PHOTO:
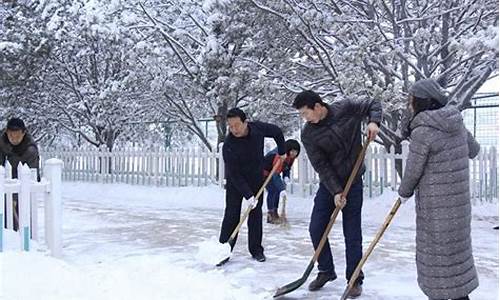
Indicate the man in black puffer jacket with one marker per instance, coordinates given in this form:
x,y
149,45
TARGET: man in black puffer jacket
x,y
332,139
17,146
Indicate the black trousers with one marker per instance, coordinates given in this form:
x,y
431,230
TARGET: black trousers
x,y
232,217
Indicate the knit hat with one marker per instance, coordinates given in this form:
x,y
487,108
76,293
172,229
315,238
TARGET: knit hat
x,y
429,89
16,124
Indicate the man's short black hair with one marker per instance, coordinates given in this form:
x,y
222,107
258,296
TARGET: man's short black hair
x,y
16,124
307,98
236,112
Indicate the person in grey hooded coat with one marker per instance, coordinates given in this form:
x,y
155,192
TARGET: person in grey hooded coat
x,y
437,171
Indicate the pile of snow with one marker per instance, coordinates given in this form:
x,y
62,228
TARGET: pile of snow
x,y
212,252
33,275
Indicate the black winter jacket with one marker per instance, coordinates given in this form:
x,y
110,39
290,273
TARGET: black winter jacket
x,y
244,156
26,152
334,143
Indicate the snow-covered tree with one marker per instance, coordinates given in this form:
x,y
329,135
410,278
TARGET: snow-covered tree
x,y
109,69
93,64
24,49
210,65
353,48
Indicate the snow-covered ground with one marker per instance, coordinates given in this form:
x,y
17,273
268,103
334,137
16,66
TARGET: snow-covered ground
x,y
133,242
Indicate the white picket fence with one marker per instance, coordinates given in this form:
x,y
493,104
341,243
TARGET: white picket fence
x,y
160,167
381,173
30,194
199,167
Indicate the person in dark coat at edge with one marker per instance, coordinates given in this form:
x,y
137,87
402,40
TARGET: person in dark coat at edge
x,y
243,154
437,172
17,146
332,139
276,189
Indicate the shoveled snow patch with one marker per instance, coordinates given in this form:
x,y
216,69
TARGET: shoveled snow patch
x,y
211,251
34,275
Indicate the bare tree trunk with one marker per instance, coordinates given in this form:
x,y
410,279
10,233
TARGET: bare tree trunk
x,y
221,122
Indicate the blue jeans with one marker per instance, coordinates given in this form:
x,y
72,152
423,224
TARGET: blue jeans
x,y
351,225
274,188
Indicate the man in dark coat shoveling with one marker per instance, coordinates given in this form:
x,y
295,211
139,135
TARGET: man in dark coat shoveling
x,y
243,154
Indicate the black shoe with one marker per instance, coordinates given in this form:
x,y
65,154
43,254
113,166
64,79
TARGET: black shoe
x,y
321,280
355,291
259,257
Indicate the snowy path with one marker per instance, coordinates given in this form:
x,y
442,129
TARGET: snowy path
x,y
144,241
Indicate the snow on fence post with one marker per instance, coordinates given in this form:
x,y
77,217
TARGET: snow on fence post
x,y
200,158
214,165
34,206
190,161
147,167
211,166
86,169
53,208
128,166
485,178
481,174
386,173
120,176
302,167
156,166
180,163
101,164
205,160
383,169
2,180
24,175
375,166
187,164
178,167
220,161
474,181
8,197
163,166
392,155
369,170
195,162
167,165
494,168
175,166
109,166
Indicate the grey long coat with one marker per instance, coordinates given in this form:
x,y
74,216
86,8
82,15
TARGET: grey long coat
x,y
437,170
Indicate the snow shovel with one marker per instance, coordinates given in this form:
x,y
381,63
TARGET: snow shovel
x,y
247,212
297,283
380,232
283,220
